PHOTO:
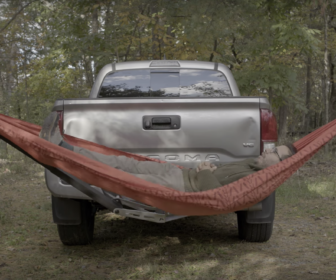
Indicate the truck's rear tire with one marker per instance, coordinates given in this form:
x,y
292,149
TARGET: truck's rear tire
x,y
253,232
81,234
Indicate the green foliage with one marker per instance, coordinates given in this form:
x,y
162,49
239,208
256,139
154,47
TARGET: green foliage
x,y
59,46
289,35
51,82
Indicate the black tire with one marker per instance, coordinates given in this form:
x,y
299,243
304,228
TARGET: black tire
x,y
253,232
81,234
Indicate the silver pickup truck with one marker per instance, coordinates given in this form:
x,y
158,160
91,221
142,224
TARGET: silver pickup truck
x,y
182,112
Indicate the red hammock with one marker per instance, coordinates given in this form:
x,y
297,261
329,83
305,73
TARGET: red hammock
x,y
229,198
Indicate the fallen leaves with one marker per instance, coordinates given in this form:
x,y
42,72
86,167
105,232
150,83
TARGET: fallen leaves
x,y
6,171
3,265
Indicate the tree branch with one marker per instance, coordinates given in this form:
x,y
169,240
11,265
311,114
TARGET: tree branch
x,y
233,50
214,50
16,14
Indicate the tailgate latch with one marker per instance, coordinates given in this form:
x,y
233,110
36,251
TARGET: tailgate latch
x,y
161,122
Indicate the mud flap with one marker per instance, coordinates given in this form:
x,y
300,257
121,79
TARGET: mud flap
x,y
266,215
66,211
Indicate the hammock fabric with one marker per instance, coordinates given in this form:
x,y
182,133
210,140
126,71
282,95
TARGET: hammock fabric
x,y
229,198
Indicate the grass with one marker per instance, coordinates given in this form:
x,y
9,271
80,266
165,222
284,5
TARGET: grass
x,y
192,248
3,218
4,206
315,179
325,187
299,189
308,197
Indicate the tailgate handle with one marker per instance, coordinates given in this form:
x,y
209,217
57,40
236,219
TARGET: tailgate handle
x,y
167,122
161,121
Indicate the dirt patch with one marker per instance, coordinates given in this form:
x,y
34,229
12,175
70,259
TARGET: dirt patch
x,y
303,244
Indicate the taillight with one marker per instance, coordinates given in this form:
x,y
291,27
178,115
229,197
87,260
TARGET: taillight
x,y
60,122
268,130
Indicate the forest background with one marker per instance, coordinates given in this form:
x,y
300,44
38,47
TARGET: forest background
x,y
284,50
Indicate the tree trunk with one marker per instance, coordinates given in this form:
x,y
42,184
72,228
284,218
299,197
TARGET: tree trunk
x,y
214,50
88,71
130,44
156,54
3,145
282,129
308,94
170,52
270,95
7,95
10,78
108,25
325,74
9,89
95,28
26,87
332,89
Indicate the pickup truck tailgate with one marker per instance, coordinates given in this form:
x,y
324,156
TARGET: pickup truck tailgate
x,y
215,129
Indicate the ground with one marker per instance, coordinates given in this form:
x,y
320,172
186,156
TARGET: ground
x,y
303,244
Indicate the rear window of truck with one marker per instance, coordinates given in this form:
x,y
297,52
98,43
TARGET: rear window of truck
x,y
165,83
